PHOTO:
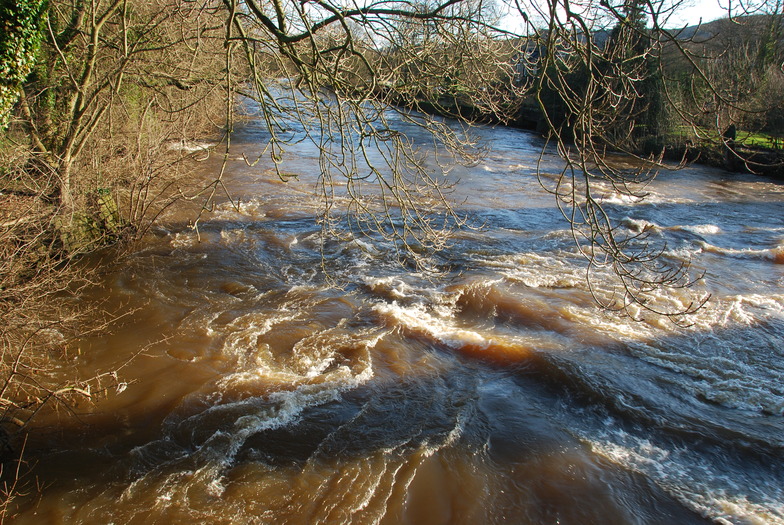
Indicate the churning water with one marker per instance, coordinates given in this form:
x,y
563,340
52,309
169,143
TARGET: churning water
x,y
259,392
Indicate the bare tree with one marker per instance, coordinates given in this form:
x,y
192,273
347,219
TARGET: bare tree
x,y
338,68
598,73
102,58
347,66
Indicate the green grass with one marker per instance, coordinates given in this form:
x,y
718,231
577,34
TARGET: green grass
x,y
761,140
746,138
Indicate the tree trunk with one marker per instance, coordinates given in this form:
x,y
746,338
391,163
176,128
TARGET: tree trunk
x,y
65,197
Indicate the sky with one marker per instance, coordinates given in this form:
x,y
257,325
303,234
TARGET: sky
x,y
689,12
708,10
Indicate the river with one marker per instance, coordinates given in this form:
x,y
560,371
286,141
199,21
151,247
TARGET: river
x,y
262,381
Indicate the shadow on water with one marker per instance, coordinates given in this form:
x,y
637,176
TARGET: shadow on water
x,y
526,423
472,411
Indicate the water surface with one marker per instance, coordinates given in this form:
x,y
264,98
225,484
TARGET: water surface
x,y
260,392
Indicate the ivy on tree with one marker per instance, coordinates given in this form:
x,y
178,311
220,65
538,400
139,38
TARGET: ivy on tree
x,y
21,30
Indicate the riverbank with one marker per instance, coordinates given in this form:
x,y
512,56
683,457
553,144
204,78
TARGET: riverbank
x,y
47,263
740,158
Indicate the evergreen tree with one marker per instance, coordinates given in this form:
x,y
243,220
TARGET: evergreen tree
x,y
633,70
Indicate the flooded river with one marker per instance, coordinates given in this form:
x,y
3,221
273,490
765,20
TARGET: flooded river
x,y
263,381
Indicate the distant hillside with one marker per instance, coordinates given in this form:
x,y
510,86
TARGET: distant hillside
x,y
747,26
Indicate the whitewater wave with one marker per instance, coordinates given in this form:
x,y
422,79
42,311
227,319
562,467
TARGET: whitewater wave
x,y
716,491
699,229
775,254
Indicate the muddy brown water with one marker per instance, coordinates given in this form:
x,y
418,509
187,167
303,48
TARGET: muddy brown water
x,y
260,392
